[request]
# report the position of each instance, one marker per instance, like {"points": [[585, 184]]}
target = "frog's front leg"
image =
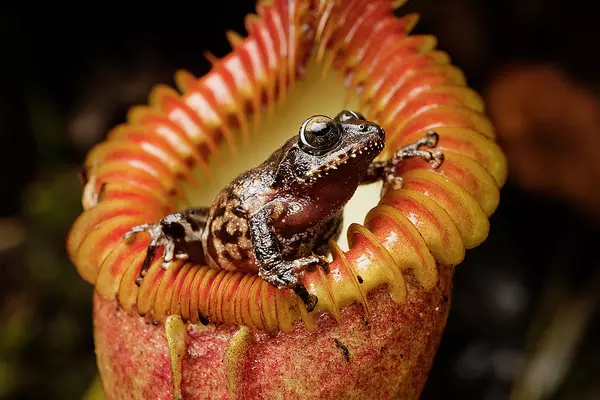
{"points": [[386, 170], [283, 274], [174, 232]]}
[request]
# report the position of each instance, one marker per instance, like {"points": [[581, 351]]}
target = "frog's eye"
{"points": [[346, 115], [318, 135]]}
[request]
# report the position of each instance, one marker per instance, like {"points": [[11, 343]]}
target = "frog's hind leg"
{"points": [[180, 233]]}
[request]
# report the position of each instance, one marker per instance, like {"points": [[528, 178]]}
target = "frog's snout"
{"points": [[377, 129], [381, 132]]}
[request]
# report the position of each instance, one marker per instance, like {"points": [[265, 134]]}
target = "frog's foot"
{"points": [[174, 232], [435, 158], [286, 275], [159, 238]]}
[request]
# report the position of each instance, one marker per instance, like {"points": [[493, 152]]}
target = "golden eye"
{"points": [[318, 135]]}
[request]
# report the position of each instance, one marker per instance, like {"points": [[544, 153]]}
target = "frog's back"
{"points": [[227, 242]]}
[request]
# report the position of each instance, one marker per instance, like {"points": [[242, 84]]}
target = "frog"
{"points": [[276, 219]]}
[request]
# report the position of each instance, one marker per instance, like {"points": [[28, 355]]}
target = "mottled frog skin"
{"points": [[276, 219]]}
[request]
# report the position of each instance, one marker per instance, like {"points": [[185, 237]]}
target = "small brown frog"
{"points": [[276, 219]]}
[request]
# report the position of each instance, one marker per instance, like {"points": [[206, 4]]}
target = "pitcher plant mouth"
{"points": [[299, 59]]}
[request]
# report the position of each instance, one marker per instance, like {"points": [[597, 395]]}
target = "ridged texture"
{"points": [[405, 84]]}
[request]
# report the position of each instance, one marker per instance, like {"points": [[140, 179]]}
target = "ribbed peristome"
{"points": [[137, 175]]}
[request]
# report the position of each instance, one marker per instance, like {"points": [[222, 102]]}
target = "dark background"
{"points": [[527, 294]]}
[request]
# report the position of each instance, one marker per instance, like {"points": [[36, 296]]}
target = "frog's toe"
{"points": [[154, 230], [431, 138], [437, 159], [321, 261], [310, 300], [169, 250], [137, 229]]}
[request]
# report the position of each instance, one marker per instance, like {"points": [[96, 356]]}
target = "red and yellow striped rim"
{"points": [[141, 171]]}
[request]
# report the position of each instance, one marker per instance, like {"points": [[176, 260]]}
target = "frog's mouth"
{"points": [[297, 61], [360, 154]]}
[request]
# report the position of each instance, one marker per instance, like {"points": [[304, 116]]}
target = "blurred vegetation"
{"points": [[65, 81]]}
